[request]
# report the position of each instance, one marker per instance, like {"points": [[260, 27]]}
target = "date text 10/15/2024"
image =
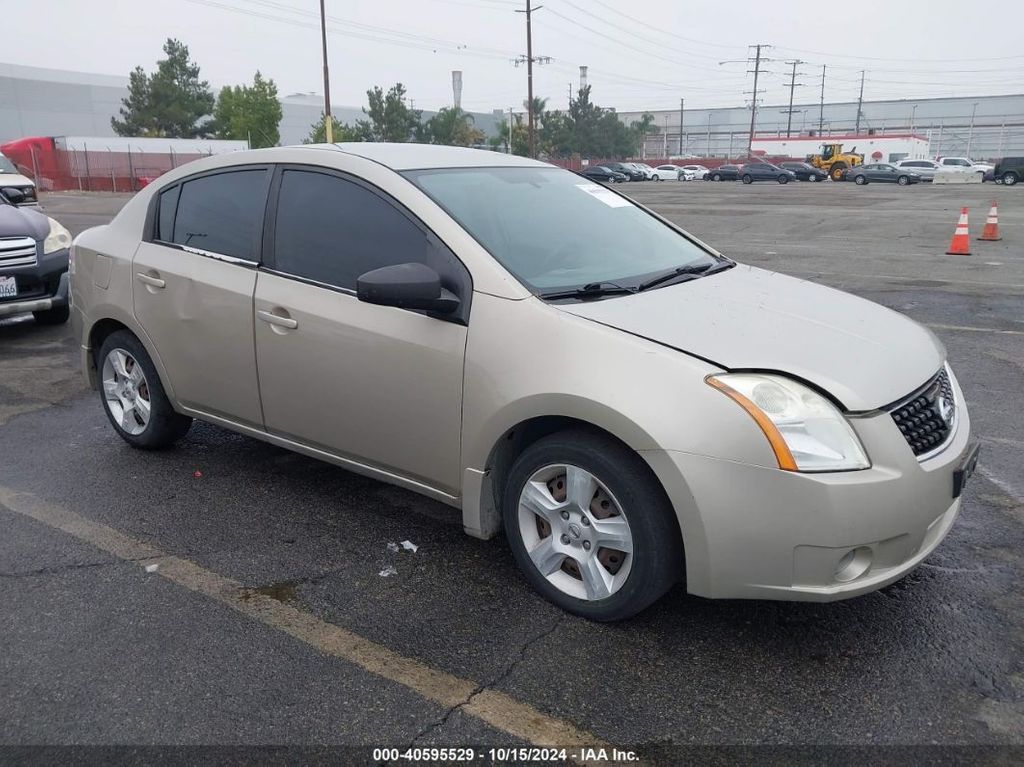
{"points": [[518, 754]]}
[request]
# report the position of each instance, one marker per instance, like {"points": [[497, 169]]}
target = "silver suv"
{"points": [[538, 351]]}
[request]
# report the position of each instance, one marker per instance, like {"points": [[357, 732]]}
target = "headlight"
{"points": [[805, 430], [58, 238]]}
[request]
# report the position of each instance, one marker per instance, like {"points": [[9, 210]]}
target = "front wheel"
{"points": [[717, 177], [1009, 178], [814, 178], [837, 172], [133, 397], [590, 526], [783, 180], [860, 180], [747, 179]]}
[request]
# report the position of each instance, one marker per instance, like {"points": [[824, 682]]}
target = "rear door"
{"points": [[374, 384], [193, 279]]}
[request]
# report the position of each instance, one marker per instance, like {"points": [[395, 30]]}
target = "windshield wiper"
{"points": [[590, 290], [691, 271]]}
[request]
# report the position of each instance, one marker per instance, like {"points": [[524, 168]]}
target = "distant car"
{"points": [[765, 171], [963, 164], [626, 169], [649, 172], [882, 171], [668, 173], [804, 171], [1009, 170], [10, 178], [926, 169], [602, 173], [698, 171], [725, 173]]}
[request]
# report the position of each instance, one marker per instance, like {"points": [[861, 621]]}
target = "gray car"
{"points": [[33, 262], [881, 172], [540, 353], [926, 169]]}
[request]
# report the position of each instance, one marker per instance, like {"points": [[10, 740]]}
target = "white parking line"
{"points": [[494, 708]]}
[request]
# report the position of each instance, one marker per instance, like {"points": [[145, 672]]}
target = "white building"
{"points": [[878, 148]]}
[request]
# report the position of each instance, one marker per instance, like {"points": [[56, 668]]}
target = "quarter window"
{"points": [[222, 213], [165, 220], [332, 230]]}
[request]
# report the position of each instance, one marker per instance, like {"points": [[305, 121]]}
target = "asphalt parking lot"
{"points": [[267, 620]]}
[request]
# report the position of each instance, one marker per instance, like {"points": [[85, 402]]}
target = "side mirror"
{"points": [[406, 286], [13, 195]]}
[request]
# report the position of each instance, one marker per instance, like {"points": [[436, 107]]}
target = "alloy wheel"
{"points": [[126, 391]]}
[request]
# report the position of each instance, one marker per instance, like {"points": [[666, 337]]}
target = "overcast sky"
{"points": [[641, 53]]}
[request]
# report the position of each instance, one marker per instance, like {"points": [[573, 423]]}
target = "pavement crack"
{"points": [[493, 682]]}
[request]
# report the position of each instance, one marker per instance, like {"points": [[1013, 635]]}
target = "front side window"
{"points": [[332, 230], [554, 230], [6, 166], [221, 213]]}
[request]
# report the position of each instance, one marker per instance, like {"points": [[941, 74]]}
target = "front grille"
{"points": [[926, 418], [17, 251]]}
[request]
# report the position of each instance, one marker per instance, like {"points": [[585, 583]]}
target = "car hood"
{"points": [[23, 222], [864, 355]]}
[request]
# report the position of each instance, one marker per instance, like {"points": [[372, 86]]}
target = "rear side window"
{"points": [[222, 213], [165, 215], [332, 230]]}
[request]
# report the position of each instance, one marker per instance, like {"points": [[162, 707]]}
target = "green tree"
{"points": [[391, 119], [453, 127], [170, 102], [341, 131], [249, 113], [499, 141]]}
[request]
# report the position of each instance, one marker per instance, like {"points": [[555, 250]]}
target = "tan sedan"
{"points": [[633, 408]]}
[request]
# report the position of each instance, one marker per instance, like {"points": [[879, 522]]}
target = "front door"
{"points": [[192, 287], [374, 384]]}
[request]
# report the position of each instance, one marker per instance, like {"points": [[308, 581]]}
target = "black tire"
{"points": [[1010, 178], [657, 544], [716, 177], [57, 316], [837, 171], [860, 179], [903, 180], [747, 179], [783, 179], [814, 178], [165, 426]]}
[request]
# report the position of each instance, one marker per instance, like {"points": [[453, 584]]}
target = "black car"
{"points": [[765, 171], [633, 174], [805, 171], [33, 262], [724, 173], [603, 173], [1009, 170], [881, 171]]}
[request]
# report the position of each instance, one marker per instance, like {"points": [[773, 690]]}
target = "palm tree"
{"points": [[539, 107]]}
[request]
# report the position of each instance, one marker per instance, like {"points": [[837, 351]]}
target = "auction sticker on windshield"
{"points": [[606, 196], [8, 287]]}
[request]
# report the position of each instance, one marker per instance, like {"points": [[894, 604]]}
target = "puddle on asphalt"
{"points": [[283, 591]]}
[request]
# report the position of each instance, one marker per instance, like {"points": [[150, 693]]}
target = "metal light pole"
{"points": [[328, 120], [913, 118]]}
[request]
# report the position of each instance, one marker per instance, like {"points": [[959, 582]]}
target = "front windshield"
{"points": [[555, 230], [6, 166]]}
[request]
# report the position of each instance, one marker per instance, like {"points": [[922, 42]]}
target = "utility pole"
{"points": [[328, 121], [970, 135], [529, 60], [860, 101], [681, 101], [756, 60], [792, 85], [821, 114]]}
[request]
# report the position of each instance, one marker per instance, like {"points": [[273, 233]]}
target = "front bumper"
{"points": [[763, 533], [44, 286]]}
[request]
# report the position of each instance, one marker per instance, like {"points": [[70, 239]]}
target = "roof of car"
{"points": [[417, 156]]}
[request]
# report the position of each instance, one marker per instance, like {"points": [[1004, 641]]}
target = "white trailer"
{"points": [[875, 148]]}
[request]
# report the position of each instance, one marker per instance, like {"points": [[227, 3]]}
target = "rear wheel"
{"points": [[56, 316], [813, 177], [783, 179], [902, 180], [717, 177], [133, 397], [1009, 178], [860, 180], [747, 179], [590, 527]]}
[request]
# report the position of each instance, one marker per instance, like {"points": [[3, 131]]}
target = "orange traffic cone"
{"points": [[960, 245], [991, 230]]}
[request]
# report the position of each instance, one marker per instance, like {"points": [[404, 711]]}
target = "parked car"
{"points": [[649, 172], [626, 169], [1009, 170], [602, 173], [804, 171], [33, 261], [669, 173], [883, 172], [698, 171], [963, 164], [765, 171], [725, 173], [926, 169], [11, 178], [758, 435]]}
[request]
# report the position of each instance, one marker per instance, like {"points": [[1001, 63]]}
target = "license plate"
{"points": [[967, 467], [8, 287]]}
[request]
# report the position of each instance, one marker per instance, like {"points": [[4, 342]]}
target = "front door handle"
{"points": [[277, 319], [153, 282]]}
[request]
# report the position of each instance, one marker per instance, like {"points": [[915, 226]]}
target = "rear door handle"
{"points": [[153, 282], [277, 319]]}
